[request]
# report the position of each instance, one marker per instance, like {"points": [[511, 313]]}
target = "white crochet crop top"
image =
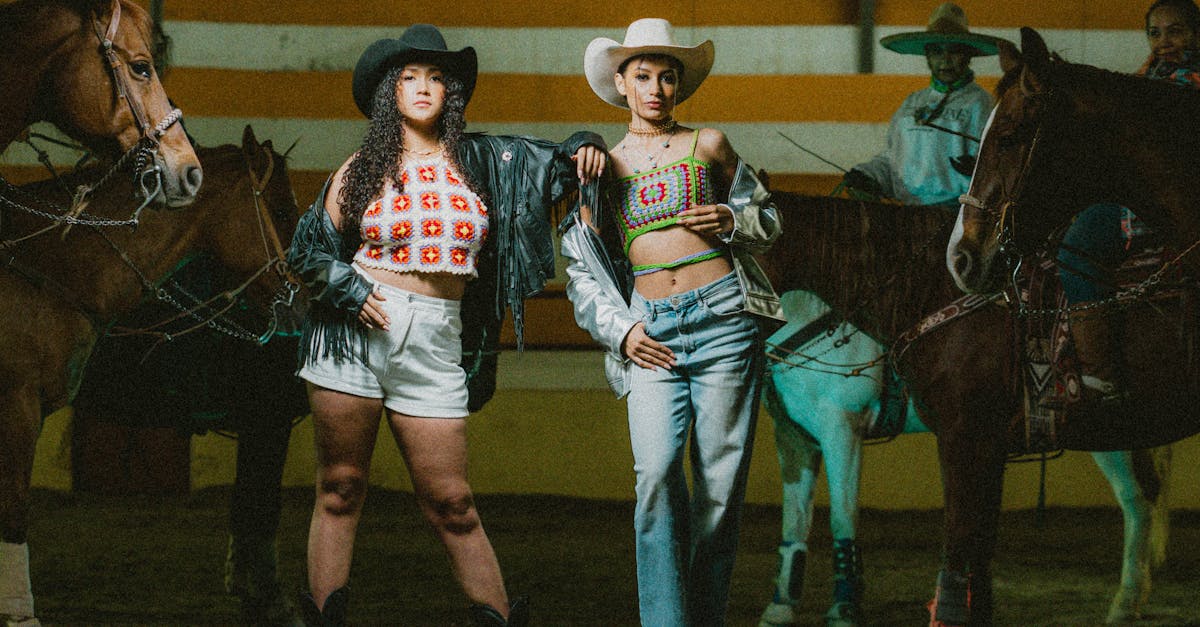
{"points": [[436, 224]]}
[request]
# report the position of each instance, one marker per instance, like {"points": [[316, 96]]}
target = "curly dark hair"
{"points": [[377, 161]]}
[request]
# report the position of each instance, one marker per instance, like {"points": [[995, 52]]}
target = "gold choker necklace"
{"points": [[654, 131], [424, 153]]}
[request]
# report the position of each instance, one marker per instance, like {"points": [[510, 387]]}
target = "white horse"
{"points": [[824, 391]]}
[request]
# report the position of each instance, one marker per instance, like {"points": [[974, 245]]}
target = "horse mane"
{"points": [[14, 15], [1127, 89], [1124, 90], [880, 266]]}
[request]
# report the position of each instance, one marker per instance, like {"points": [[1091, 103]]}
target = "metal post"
{"points": [[866, 36]]}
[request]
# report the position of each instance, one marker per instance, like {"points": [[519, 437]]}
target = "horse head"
{"points": [[1016, 181], [249, 231], [99, 86]]}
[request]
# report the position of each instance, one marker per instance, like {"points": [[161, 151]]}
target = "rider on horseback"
{"points": [[932, 136], [1102, 235]]}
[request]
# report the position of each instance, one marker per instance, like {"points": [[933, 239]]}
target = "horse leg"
{"points": [[1138, 507], [20, 422], [266, 400], [251, 566], [972, 478], [842, 444], [799, 464]]}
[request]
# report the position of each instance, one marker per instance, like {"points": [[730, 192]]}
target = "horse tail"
{"points": [[1152, 471]]}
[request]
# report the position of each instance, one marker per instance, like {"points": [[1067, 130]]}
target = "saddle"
{"points": [[1050, 372]]}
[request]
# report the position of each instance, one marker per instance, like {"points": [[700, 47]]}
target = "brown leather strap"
{"points": [[114, 65]]}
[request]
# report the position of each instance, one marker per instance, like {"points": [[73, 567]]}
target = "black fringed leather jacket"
{"points": [[523, 178]]}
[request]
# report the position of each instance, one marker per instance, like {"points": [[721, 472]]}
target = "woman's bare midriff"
{"points": [[667, 245], [436, 284]]}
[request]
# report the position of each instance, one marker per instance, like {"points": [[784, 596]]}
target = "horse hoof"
{"points": [[1126, 605], [843, 615], [779, 615]]}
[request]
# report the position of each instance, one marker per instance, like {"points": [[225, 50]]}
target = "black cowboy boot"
{"points": [[487, 616], [333, 614], [1098, 351]]}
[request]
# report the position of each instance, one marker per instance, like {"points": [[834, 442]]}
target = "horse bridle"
{"points": [[1002, 217], [140, 152], [222, 302], [150, 134]]}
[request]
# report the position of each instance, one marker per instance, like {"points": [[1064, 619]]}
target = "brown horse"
{"points": [[881, 268], [63, 289], [1064, 137], [86, 66]]}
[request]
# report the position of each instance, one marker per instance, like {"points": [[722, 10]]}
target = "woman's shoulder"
{"points": [[332, 189], [713, 146]]}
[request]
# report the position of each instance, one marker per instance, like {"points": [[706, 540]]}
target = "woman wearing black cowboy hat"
{"points": [[412, 252]]}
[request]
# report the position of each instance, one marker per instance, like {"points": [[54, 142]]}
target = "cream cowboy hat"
{"points": [[947, 25], [645, 36]]}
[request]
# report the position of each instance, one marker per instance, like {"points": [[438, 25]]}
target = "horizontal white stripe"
{"points": [[325, 144], [559, 51]]}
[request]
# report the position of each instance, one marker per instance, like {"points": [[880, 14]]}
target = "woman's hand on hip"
{"points": [[708, 219], [372, 314], [589, 163], [645, 351]]}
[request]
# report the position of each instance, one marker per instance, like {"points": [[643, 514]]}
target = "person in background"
{"points": [[1101, 236], [934, 135]]}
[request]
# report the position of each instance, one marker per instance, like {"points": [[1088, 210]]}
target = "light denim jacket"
{"points": [[600, 284]]}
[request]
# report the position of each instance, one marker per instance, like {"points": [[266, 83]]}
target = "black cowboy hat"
{"points": [[420, 41]]}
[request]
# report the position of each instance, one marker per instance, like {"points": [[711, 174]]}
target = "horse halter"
{"points": [[272, 243], [1003, 217], [276, 262], [150, 134]]}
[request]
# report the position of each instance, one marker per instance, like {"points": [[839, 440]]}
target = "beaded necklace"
{"points": [[651, 157]]}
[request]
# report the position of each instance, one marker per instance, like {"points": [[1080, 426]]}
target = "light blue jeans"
{"points": [[686, 542]]}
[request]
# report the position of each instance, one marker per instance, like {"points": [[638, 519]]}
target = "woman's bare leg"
{"points": [[345, 427], [435, 450]]}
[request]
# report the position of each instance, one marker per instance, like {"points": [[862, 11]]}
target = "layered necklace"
{"points": [[422, 154], [666, 130]]}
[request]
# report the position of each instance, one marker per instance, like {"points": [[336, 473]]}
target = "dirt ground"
{"points": [[158, 561]]}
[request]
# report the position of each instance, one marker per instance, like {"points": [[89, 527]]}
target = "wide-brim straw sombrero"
{"points": [[947, 25], [604, 57]]}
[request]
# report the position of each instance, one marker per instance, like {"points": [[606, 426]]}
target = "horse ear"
{"points": [[249, 141], [1010, 57], [1034, 52]]}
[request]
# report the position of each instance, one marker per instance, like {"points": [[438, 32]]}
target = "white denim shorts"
{"points": [[413, 366]]}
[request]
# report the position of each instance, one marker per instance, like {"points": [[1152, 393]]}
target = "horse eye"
{"points": [[143, 69]]}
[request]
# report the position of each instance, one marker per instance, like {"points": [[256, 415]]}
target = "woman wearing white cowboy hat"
{"points": [[686, 217], [397, 326], [929, 155]]}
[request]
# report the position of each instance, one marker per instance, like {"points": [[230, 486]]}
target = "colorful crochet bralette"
{"points": [[434, 223], [653, 200]]}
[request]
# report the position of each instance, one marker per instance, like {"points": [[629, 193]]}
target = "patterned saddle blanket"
{"points": [[1049, 368]]}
